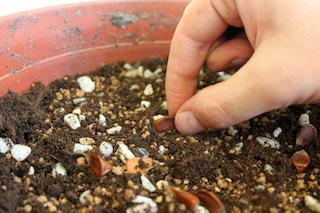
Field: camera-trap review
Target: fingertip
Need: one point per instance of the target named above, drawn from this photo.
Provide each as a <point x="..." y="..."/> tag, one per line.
<point x="187" y="123"/>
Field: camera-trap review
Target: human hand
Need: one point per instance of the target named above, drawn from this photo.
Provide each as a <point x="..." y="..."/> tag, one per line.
<point x="280" y="58"/>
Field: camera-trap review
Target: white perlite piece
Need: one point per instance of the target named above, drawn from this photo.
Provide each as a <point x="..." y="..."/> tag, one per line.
<point x="146" y="183"/>
<point x="164" y="105"/>
<point x="268" y="142"/>
<point x="268" y="168"/>
<point x="106" y="149"/>
<point x="86" y="141"/>
<point x="31" y="170"/>
<point x="312" y="203"/>
<point x="222" y="76"/>
<point x="145" y="205"/>
<point x="277" y="132"/>
<point x="82" y="117"/>
<point x="85" y="196"/>
<point x="5" y="145"/>
<point x="58" y="169"/>
<point x="304" y="119"/>
<point x="148" y="90"/>
<point x="114" y="130"/>
<point x="125" y="151"/>
<point x="238" y="147"/>
<point x="201" y="209"/>
<point x="80" y="148"/>
<point x="232" y="131"/>
<point x="72" y="120"/>
<point x="149" y="74"/>
<point x="156" y="117"/>
<point x="102" y="120"/>
<point x="127" y="66"/>
<point x="161" y="150"/>
<point x="20" y="152"/>
<point x="134" y="73"/>
<point x="79" y="100"/>
<point x="77" y="111"/>
<point x="145" y="104"/>
<point x="86" y="84"/>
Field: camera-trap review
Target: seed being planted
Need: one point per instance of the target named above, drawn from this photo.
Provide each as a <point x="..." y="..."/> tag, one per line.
<point x="300" y="160"/>
<point x="191" y="201"/>
<point x="164" y="124"/>
<point x="211" y="201"/>
<point x="139" y="165"/>
<point x="98" y="165"/>
<point x="306" y="134"/>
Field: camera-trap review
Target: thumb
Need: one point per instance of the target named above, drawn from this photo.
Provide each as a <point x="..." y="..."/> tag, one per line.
<point x="256" y="88"/>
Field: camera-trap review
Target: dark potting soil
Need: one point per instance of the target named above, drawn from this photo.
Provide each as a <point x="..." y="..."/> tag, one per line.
<point x="205" y="161"/>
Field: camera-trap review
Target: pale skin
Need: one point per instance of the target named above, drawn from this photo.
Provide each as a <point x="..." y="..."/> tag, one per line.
<point x="280" y="58"/>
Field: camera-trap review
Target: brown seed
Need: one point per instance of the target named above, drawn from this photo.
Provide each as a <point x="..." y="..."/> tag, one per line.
<point x="211" y="201"/>
<point x="98" y="165"/>
<point x="306" y="134"/>
<point x="164" y="124"/>
<point x="300" y="160"/>
<point x="139" y="165"/>
<point x="191" y="201"/>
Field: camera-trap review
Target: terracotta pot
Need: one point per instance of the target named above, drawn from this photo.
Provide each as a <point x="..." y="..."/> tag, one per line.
<point x="47" y="44"/>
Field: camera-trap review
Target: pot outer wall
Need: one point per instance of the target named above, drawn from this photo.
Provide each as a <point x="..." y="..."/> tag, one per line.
<point x="47" y="44"/>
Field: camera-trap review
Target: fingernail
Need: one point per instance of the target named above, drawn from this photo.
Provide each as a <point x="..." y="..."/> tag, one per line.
<point x="187" y="123"/>
<point x="237" y="62"/>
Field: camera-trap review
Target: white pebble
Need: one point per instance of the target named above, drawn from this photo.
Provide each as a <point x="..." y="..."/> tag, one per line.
<point x="158" y="71"/>
<point x="148" y="90"/>
<point x="82" y="117"/>
<point x="312" y="203"/>
<point x="222" y="76"/>
<point x="145" y="205"/>
<point x="102" y="120"/>
<point x="238" y="148"/>
<point x="5" y="145"/>
<point x="304" y="119"/>
<point x="145" y="104"/>
<point x="127" y="66"/>
<point x="134" y="87"/>
<point x="201" y="209"/>
<point x="79" y="100"/>
<point x="148" y="74"/>
<point x="146" y="183"/>
<point x="86" y="141"/>
<point x="125" y="151"/>
<point x="114" y="130"/>
<point x="58" y="169"/>
<point x="20" y="152"/>
<point x="77" y="111"/>
<point x="161" y="150"/>
<point x="72" y="120"/>
<point x="277" y="132"/>
<point x="80" y="148"/>
<point x="106" y="149"/>
<point x="232" y="131"/>
<point x="268" y="142"/>
<point x="260" y="187"/>
<point x="268" y="168"/>
<point x="86" y="84"/>
<point x="156" y="117"/>
<point x="134" y="73"/>
<point x="84" y="197"/>
<point x="164" y="105"/>
<point x="31" y="170"/>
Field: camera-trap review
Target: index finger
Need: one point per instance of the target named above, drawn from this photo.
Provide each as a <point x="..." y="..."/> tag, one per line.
<point x="197" y="30"/>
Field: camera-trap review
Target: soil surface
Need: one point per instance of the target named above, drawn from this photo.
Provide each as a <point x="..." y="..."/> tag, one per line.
<point x="215" y="161"/>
